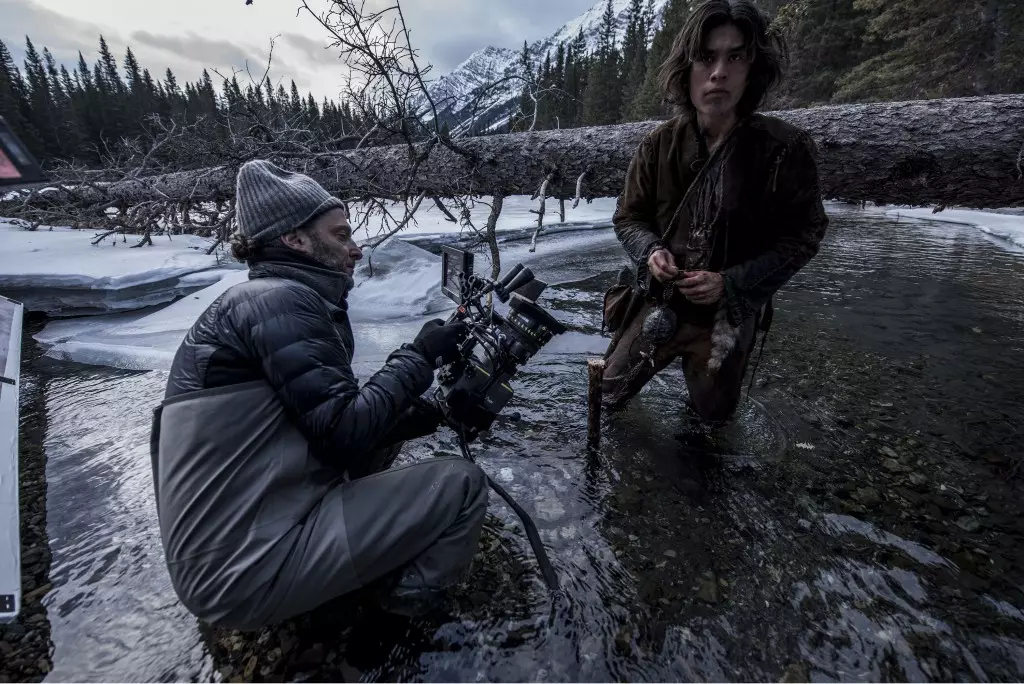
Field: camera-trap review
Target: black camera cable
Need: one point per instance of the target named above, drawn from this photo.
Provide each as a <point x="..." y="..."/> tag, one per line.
<point x="546" y="569"/>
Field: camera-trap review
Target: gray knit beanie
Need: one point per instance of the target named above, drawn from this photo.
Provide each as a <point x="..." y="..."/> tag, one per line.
<point x="271" y="202"/>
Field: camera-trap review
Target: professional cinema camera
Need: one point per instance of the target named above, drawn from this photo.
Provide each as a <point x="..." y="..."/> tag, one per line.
<point x="474" y="389"/>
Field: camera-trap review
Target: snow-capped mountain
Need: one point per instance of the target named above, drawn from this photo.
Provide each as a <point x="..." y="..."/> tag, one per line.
<point x="483" y="90"/>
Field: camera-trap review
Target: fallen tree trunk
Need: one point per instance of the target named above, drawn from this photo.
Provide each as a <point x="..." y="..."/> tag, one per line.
<point x="966" y="152"/>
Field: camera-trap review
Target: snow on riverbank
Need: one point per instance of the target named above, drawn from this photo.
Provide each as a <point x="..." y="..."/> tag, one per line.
<point x="1005" y="227"/>
<point x="515" y="214"/>
<point x="58" y="271"/>
<point x="405" y="288"/>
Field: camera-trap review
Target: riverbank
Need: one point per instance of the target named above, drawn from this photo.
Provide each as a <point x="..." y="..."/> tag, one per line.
<point x="25" y="646"/>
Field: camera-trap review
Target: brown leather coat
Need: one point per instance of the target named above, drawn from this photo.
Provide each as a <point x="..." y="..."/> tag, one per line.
<point x="756" y="199"/>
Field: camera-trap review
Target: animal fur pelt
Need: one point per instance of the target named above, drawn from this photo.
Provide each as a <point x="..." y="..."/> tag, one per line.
<point x="723" y="339"/>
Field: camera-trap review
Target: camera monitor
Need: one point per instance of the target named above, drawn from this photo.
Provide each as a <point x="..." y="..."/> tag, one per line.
<point x="18" y="169"/>
<point x="456" y="265"/>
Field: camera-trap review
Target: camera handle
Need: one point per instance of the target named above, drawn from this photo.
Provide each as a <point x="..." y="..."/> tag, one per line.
<point x="546" y="569"/>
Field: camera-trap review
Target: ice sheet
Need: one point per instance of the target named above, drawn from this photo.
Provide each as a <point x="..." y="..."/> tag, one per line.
<point x="1006" y="228"/>
<point x="59" y="271"/>
<point x="404" y="290"/>
<point x="386" y="310"/>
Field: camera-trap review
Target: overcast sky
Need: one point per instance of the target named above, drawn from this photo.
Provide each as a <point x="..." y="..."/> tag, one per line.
<point x="189" y="35"/>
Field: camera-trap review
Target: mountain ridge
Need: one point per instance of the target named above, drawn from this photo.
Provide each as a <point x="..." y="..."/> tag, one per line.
<point x="482" y="92"/>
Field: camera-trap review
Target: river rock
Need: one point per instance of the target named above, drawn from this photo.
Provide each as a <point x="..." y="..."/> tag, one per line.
<point x="796" y="672"/>
<point x="869" y="496"/>
<point x="311" y="657"/>
<point x="894" y="466"/>
<point x="708" y="589"/>
<point x="968" y="523"/>
<point x="890" y="452"/>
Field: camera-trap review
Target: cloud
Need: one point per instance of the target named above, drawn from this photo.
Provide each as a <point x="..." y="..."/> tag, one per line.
<point x="314" y="50"/>
<point x="211" y="53"/>
<point x="63" y="35"/>
<point x="190" y="35"/>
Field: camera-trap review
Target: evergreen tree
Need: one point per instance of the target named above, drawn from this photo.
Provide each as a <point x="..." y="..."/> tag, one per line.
<point x="603" y="97"/>
<point x="108" y="66"/>
<point x="14" y="106"/>
<point x="634" y="57"/>
<point x="43" y="113"/>
<point x="648" y="100"/>
<point x="944" y="48"/>
<point x="827" y="39"/>
<point x="576" y="78"/>
<point x="296" y="101"/>
<point x="523" y="118"/>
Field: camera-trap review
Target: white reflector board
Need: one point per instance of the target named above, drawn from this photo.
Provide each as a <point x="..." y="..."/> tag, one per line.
<point x="10" y="536"/>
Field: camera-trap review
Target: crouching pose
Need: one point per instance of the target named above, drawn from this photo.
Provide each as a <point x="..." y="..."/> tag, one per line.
<point x="721" y="207"/>
<point x="270" y="462"/>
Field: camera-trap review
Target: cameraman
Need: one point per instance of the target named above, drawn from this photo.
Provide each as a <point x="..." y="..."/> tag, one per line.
<point x="270" y="462"/>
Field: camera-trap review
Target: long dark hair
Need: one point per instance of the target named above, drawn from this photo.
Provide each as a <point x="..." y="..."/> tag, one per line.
<point x="765" y="45"/>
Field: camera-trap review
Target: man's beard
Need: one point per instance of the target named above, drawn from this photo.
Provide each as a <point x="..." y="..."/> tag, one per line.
<point x="325" y="256"/>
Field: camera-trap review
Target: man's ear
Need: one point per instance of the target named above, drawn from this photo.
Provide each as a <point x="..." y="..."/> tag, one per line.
<point x="293" y="240"/>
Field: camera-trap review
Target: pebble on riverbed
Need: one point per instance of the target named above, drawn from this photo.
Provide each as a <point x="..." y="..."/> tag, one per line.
<point x="25" y="643"/>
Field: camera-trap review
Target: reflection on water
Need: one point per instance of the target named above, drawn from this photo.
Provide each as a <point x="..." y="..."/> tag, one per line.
<point x="114" y="615"/>
<point x="856" y="521"/>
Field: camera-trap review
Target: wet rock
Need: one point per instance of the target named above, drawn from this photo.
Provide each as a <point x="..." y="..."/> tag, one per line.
<point x="948" y="502"/>
<point x="918" y="480"/>
<point x="623" y="642"/>
<point x="36" y="593"/>
<point x="250" y="669"/>
<point x="890" y="452"/>
<point x="869" y="496"/>
<point x="968" y="523"/>
<point x="14" y="632"/>
<point x="796" y="672"/>
<point x="311" y="657"/>
<point x="349" y="673"/>
<point x="708" y="589"/>
<point x="894" y="466"/>
<point x="670" y="554"/>
<point x="36" y="619"/>
<point x="804" y="524"/>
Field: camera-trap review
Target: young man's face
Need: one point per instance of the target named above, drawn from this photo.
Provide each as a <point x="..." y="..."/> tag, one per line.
<point x="329" y="241"/>
<point x="719" y="77"/>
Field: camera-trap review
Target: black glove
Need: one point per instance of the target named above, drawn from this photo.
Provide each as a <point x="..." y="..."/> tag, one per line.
<point x="439" y="343"/>
<point x="422" y="418"/>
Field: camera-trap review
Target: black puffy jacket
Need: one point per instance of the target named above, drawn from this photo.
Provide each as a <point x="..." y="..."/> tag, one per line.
<point x="288" y="324"/>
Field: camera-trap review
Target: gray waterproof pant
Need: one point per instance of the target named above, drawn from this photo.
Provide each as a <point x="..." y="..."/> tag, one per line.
<point x="256" y="529"/>
<point x="422" y="520"/>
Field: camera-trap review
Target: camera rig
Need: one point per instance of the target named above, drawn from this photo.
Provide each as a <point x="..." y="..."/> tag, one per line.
<point x="474" y="389"/>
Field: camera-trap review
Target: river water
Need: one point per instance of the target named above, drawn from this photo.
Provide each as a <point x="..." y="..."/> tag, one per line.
<point x="859" y="520"/>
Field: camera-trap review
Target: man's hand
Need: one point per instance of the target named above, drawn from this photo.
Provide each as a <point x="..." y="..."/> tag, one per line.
<point x="439" y="343"/>
<point x="702" y="287"/>
<point x="662" y="265"/>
